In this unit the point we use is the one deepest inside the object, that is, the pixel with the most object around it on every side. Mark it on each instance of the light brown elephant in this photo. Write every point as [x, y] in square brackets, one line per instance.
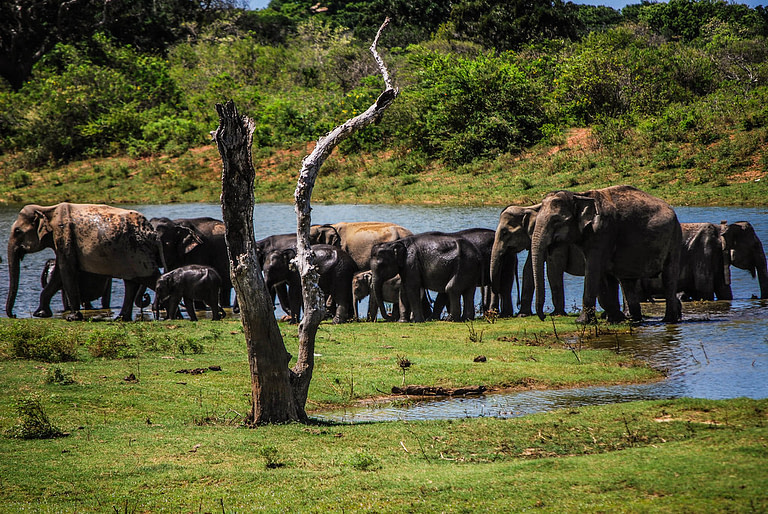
[94, 238]
[357, 238]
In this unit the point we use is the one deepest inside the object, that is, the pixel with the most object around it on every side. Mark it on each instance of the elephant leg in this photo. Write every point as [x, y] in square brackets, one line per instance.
[608, 297]
[44, 308]
[592, 284]
[673, 311]
[131, 289]
[469, 304]
[413, 294]
[555, 270]
[632, 297]
[189, 304]
[172, 307]
[454, 306]
[213, 303]
[526, 295]
[441, 302]
[70, 287]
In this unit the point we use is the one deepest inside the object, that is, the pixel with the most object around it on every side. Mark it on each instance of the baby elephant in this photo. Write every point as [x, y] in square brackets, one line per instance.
[191, 282]
[361, 287]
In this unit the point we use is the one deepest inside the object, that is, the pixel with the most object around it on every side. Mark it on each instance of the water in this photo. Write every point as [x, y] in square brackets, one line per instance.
[719, 351]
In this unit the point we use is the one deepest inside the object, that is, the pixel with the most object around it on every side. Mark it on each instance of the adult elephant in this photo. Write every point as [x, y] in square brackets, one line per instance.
[704, 271]
[277, 243]
[431, 260]
[625, 235]
[196, 241]
[335, 267]
[745, 251]
[512, 236]
[85, 237]
[92, 287]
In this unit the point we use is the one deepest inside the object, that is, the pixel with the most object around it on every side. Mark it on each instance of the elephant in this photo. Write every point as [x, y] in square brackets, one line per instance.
[704, 271]
[92, 287]
[361, 287]
[357, 238]
[625, 235]
[93, 238]
[512, 236]
[196, 241]
[189, 282]
[430, 260]
[335, 267]
[744, 250]
[264, 247]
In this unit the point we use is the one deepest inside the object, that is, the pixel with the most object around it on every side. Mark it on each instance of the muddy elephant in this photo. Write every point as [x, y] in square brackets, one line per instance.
[196, 241]
[625, 235]
[512, 236]
[190, 282]
[92, 287]
[361, 287]
[744, 250]
[97, 239]
[431, 260]
[335, 267]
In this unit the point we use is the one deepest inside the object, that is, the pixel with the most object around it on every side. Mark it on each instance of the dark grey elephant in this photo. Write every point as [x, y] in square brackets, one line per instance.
[361, 287]
[190, 282]
[512, 236]
[745, 251]
[625, 234]
[92, 287]
[196, 241]
[431, 260]
[97, 239]
[277, 243]
[335, 267]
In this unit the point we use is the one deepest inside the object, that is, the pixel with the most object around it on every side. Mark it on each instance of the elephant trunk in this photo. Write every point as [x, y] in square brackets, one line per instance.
[497, 265]
[762, 272]
[539, 243]
[377, 295]
[15, 255]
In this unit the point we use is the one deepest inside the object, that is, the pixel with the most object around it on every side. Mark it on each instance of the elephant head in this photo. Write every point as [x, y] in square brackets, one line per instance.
[278, 266]
[361, 287]
[324, 234]
[30, 233]
[387, 259]
[744, 250]
[513, 235]
[177, 240]
[563, 218]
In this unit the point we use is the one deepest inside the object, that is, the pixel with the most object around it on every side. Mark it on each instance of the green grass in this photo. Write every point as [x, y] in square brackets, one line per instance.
[164, 441]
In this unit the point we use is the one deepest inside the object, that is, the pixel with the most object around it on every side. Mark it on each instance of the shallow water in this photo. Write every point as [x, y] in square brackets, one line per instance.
[720, 350]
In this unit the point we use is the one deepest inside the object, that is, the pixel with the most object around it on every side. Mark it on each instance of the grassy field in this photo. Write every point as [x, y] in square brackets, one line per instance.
[152, 425]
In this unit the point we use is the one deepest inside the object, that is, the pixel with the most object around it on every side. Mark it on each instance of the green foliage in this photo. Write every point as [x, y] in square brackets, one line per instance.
[56, 375]
[38, 341]
[110, 342]
[362, 461]
[33, 421]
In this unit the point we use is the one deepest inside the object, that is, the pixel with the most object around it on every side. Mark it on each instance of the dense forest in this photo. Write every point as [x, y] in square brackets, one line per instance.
[478, 78]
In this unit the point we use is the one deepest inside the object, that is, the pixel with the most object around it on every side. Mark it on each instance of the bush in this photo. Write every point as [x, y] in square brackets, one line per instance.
[30, 339]
[109, 343]
[33, 421]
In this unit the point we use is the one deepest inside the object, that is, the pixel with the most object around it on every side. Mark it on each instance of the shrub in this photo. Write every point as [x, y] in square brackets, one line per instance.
[109, 343]
[58, 376]
[33, 421]
[29, 339]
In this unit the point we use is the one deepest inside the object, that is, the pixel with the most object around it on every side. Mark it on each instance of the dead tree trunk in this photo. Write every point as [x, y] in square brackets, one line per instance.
[279, 393]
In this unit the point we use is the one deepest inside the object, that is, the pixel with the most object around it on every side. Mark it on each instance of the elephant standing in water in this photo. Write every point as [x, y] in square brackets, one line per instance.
[745, 251]
[625, 234]
[196, 241]
[191, 282]
[432, 260]
[513, 235]
[97, 239]
[92, 287]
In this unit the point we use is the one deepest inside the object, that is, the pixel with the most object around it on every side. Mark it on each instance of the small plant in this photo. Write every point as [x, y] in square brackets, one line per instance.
[270, 456]
[404, 364]
[33, 421]
[25, 339]
[473, 334]
[109, 343]
[364, 462]
[58, 376]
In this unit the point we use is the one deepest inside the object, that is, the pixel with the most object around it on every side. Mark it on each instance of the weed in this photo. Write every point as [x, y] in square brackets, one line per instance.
[364, 462]
[33, 421]
[38, 341]
[109, 343]
[270, 455]
[404, 364]
[58, 376]
[473, 335]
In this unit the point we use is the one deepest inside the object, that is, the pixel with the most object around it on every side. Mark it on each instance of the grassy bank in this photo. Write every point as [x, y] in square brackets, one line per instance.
[729, 172]
[144, 433]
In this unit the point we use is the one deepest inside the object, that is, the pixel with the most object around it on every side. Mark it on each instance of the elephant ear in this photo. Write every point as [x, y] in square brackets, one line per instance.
[400, 253]
[587, 213]
[289, 259]
[189, 239]
[725, 236]
[529, 219]
[43, 225]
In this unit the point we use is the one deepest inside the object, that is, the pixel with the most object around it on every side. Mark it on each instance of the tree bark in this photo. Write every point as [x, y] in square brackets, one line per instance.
[279, 393]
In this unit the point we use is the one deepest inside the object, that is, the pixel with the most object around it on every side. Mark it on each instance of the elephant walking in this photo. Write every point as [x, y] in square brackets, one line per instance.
[431, 260]
[92, 287]
[744, 250]
[191, 282]
[92, 238]
[512, 236]
[625, 235]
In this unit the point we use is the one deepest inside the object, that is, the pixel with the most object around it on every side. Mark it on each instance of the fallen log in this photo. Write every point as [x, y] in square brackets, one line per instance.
[417, 390]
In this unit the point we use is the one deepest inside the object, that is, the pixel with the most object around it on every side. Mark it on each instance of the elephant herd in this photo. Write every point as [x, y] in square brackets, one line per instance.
[614, 237]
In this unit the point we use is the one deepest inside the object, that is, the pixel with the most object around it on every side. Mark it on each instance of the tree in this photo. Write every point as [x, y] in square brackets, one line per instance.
[279, 393]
